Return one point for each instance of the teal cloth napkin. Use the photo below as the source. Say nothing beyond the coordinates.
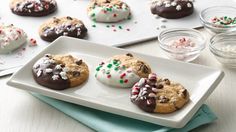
(107, 122)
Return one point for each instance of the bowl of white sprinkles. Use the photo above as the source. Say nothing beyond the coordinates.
(223, 46)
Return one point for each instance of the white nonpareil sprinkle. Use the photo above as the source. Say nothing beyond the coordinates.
(144, 92)
(63, 75)
(55, 77)
(167, 5)
(152, 95)
(163, 20)
(229, 49)
(65, 69)
(46, 61)
(178, 7)
(189, 5)
(173, 3)
(141, 82)
(133, 96)
(39, 72)
(166, 2)
(48, 70)
(36, 66)
(58, 67)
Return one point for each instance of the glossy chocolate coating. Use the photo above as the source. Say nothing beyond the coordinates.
(142, 98)
(171, 12)
(65, 30)
(26, 8)
(46, 79)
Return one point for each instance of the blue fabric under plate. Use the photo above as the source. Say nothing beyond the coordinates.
(107, 122)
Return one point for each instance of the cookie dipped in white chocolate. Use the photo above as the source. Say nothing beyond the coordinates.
(108, 11)
(113, 73)
(11, 38)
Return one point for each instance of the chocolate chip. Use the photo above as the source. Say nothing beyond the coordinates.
(144, 68)
(69, 18)
(79, 62)
(62, 65)
(47, 55)
(76, 73)
(163, 99)
(56, 20)
(184, 92)
(160, 86)
(129, 54)
(167, 81)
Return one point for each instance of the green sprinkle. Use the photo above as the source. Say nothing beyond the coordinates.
(123, 67)
(116, 68)
(121, 81)
(115, 61)
(98, 68)
(108, 72)
(109, 65)
(129, 17)
(107, 26)
(93, 15)
(117, 64)
(93, 25)
(120, 27)
(109, 9)
(94, 19)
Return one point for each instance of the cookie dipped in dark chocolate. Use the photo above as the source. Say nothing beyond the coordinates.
(143, 93)
(34, 8)
(71, 29)
(172, 9)
(48, 73)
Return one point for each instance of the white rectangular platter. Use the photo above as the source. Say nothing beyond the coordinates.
(143, 25)
(199, 80)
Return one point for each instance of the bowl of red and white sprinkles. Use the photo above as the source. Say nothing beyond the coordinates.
(181, 43)
(218, 19)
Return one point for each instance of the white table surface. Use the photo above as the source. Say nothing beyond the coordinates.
(21, 112)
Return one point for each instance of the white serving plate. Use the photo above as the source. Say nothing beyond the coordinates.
(199, 80)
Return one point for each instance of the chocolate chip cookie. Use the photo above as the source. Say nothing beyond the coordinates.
(108, 10)
(64, 26)
(122, 71)
(172, 9)
(59, 72)
(158, 95)
(33, 7)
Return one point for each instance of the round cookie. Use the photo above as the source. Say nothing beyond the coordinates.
(59, 72)
(64, 26)
(122, 71)
(159, 95)
(11, 38)
(108, 10)
(33, 7)
(172, 9)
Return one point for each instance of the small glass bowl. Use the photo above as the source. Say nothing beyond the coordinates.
(217, 11)
(185, 54)
(223, 46)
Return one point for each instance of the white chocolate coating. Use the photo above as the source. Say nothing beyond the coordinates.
(116, 75)
(11, 38)
(109, 13)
